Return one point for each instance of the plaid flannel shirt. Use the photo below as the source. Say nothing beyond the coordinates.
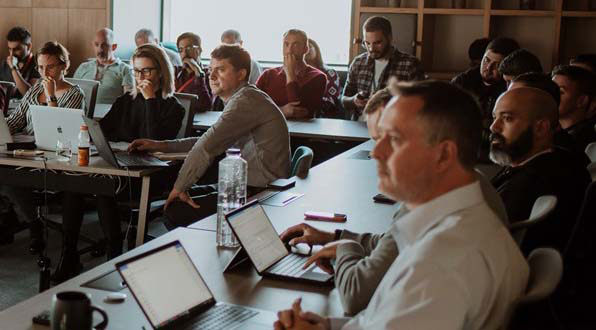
(362, 70)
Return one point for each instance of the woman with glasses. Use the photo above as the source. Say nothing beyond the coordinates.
(331, 104)
(149, 111)
(191, 77)
(51, 89)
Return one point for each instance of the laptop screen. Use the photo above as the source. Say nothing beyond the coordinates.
(166, 284)
(257, 235)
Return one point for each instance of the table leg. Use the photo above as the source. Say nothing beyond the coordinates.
(143, 207)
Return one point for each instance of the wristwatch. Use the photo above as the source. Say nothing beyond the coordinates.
(337, 234)
(53, 99)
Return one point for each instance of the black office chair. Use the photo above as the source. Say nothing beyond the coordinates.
(9, 89)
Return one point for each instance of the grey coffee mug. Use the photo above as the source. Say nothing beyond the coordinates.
(73, 310)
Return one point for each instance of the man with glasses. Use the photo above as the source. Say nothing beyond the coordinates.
(146, 36)
(115, 76)
(370, 71)
(19, 66)
(191, 77)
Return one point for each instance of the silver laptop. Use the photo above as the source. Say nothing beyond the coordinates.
(49, 121)
(173, 295)
(265, 249)
(5, 136)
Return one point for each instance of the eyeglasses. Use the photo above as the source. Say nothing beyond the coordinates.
(49, 67)
(143, 72)
(187, 48)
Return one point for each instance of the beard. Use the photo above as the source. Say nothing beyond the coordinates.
(380, 54)
(505, 154)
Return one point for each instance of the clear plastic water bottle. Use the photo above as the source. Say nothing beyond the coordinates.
(63, 147)
(231, 194)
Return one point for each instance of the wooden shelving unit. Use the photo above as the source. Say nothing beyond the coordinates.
(440, 35)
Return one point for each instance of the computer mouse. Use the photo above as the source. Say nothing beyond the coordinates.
(115, 297)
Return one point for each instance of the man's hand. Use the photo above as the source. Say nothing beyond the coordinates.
(194, 66)
(295, 318)
(360, 102)
(146, 145)
(12, 62)
(290, 62)
(324, 256)
(307, 234)
(147, 89)
(294, 110)
(49, 87)
(181, 195)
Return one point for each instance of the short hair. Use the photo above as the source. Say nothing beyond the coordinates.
(299, 33)
(379, 98)
(145, 33)
(54, 48)
(584, 79)
(477, 48)
(231, 33)
(519, 62)
(378, 23)
(109, 34)
(586, 59)
(235, 54)
(194, 38)
(503, 46)
(541, 81)
(450, 113)
(161, 60)
(20, 34)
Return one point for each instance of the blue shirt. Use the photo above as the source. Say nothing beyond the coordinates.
(115, 77)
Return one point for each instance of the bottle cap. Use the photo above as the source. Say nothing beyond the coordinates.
(84, 128)
(233, 151)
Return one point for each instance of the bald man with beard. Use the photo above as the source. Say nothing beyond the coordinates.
(522, 133)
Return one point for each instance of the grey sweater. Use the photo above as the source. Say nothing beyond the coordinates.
(362, 262)
(251, 122)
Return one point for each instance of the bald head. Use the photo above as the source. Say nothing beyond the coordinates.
(106, 34)
(535, 103)
(104, 46)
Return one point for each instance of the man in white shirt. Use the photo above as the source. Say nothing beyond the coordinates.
(115, 76)
(458, 267)
(146, 36)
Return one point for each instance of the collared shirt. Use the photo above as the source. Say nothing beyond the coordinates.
(251, 122)
(402, 66)
(28, 72)
(116, 77)
(458, 268)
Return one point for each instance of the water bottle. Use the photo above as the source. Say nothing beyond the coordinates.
(63, 151)
(231, 194)
(84, 141)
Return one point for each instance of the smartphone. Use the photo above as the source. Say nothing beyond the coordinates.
(42, 318)
(325, 216)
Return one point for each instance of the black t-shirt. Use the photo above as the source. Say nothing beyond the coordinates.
(29, 72)
(560, 173)
(583, 133)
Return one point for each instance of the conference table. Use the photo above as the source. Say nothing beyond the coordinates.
(46, 172)
(343, 184)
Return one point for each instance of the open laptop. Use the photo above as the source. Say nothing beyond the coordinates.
(173, 295)
(48, 121)
(5, 136)
(120, 159)
(265, 249)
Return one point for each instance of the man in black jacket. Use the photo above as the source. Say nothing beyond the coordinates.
(522, 141)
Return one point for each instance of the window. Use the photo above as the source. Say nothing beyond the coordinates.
(262, 24)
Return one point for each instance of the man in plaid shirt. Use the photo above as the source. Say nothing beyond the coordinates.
(370, 71)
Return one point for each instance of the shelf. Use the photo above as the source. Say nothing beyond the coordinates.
(448, 11)
(579, 14)
(388, 10)
(526, 13)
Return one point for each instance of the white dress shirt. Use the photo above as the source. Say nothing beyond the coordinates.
(458, 268)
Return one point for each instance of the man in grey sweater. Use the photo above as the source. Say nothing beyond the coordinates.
(250, 121)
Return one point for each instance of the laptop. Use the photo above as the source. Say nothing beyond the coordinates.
(119, 159)
(49, 121)
(5, 136)
(173, 295)
(265, 249)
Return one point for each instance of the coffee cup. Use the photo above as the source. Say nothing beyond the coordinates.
(73, 310)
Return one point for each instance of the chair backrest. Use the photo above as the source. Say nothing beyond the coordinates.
(543, 206)
(301, 162)
(190, 102)
(592, 170)
(591, 151)
(581, 242)
(546, 269)
(89, 87)
(9, 88)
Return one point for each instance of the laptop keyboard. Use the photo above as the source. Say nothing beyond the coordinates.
(134, 160)
(290, 266)
(223, 316)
